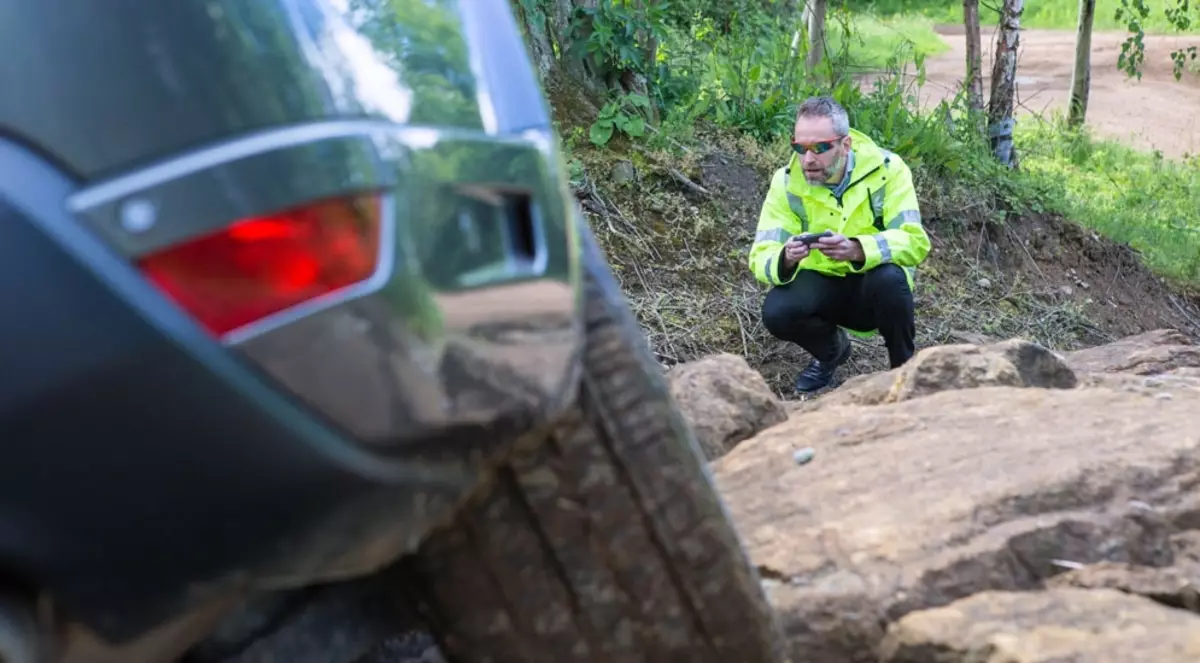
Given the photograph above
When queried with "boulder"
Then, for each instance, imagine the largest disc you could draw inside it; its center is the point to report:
(1151, 353)
(724, 400)
(1170, 586)
(1172, 380)
(916, 503)
(1011, 363)
(1054, 626)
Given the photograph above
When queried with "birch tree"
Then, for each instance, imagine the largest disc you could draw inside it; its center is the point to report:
(1004, 82)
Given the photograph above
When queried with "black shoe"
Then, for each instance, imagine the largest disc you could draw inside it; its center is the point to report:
(819, 373)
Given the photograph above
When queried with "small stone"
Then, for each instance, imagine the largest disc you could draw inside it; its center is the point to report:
(804, 456)
(623, 172)
(984, 283)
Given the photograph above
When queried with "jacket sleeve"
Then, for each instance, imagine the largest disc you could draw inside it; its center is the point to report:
(771, 233)
(903, 240)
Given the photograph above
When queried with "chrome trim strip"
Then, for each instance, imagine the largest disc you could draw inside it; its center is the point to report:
(120, 187)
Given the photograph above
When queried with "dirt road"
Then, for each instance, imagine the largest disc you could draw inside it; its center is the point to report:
(1156, 113)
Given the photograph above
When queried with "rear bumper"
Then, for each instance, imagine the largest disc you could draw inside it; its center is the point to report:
(150, 468)
(458, 327)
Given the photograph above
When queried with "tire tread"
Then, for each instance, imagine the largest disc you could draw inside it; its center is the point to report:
(606, 541)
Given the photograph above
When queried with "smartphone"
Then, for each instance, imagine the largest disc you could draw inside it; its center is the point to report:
(811, 238)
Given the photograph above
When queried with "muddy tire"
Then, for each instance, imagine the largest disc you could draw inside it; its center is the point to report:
(606, 541)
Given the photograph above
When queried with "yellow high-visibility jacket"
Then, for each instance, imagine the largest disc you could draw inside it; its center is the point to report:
(879, 209)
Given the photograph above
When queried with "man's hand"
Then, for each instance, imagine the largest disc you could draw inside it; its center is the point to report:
(793, 252)
(839, 247)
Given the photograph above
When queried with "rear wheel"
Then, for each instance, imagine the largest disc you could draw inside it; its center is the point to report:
(606, 542)
(602, 541)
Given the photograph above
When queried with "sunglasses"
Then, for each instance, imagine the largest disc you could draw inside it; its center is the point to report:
(820, 147)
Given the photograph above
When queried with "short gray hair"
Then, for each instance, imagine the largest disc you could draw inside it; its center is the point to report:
(826, 107)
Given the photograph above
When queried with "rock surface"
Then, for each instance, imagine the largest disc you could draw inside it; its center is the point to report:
(1170, 586)
(1011, 363)
(1056, 626)
(1151, 353)
(931, 484)
(724, 400)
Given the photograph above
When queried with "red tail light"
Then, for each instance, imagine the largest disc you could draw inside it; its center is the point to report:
(260, 266)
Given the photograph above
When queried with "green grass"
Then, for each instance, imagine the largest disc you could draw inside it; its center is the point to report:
(875, 39)
(1046, 14)
(1127, 195)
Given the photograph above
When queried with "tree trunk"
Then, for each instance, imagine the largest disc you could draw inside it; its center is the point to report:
(556, 45)
(1004, 82)
(974, 80)
(1081, 79)
(816, 33)
(537, 31)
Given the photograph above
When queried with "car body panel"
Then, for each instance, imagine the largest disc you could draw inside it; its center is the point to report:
(146, 467)
(106, 86)
(151, 470)
(422, 345)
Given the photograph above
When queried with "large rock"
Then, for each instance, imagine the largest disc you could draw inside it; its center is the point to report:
(917, 503)
(1171, 586)
(724, 400)
(1011, 363)
(1056, 626)
(1151, 353)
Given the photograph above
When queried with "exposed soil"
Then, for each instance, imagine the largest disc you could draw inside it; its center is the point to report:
(1065, 262)
(740, 187)
(1157, 112)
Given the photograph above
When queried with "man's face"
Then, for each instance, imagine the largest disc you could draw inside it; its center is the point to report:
(817, 134)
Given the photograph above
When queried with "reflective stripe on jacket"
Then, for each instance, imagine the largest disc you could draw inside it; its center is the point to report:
(879, 208)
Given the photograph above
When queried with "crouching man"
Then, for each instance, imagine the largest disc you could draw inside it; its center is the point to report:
(859, 275)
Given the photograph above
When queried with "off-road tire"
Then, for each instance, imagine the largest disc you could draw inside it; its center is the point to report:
(606, 541)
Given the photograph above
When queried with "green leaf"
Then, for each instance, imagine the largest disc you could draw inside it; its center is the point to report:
(601, 133)
(629, 55)
(635, 126)
(639, 100)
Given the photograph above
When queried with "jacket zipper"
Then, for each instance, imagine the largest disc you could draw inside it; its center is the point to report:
(855, 182)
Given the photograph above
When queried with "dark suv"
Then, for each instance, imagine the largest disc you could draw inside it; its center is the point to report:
(303, 338)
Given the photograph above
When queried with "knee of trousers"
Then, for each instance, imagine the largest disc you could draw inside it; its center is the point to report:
(889, 286)
(783, 318)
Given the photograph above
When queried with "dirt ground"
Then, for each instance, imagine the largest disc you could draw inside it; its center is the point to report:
(1157, 112)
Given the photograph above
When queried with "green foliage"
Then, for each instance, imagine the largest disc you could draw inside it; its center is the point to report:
(873, 39)
(744, 69)
(1135, 14)
(618, 116)
(752, 78)
(615, 32)
(1130, 196)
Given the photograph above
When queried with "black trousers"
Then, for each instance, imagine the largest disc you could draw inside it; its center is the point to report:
(809, 310)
